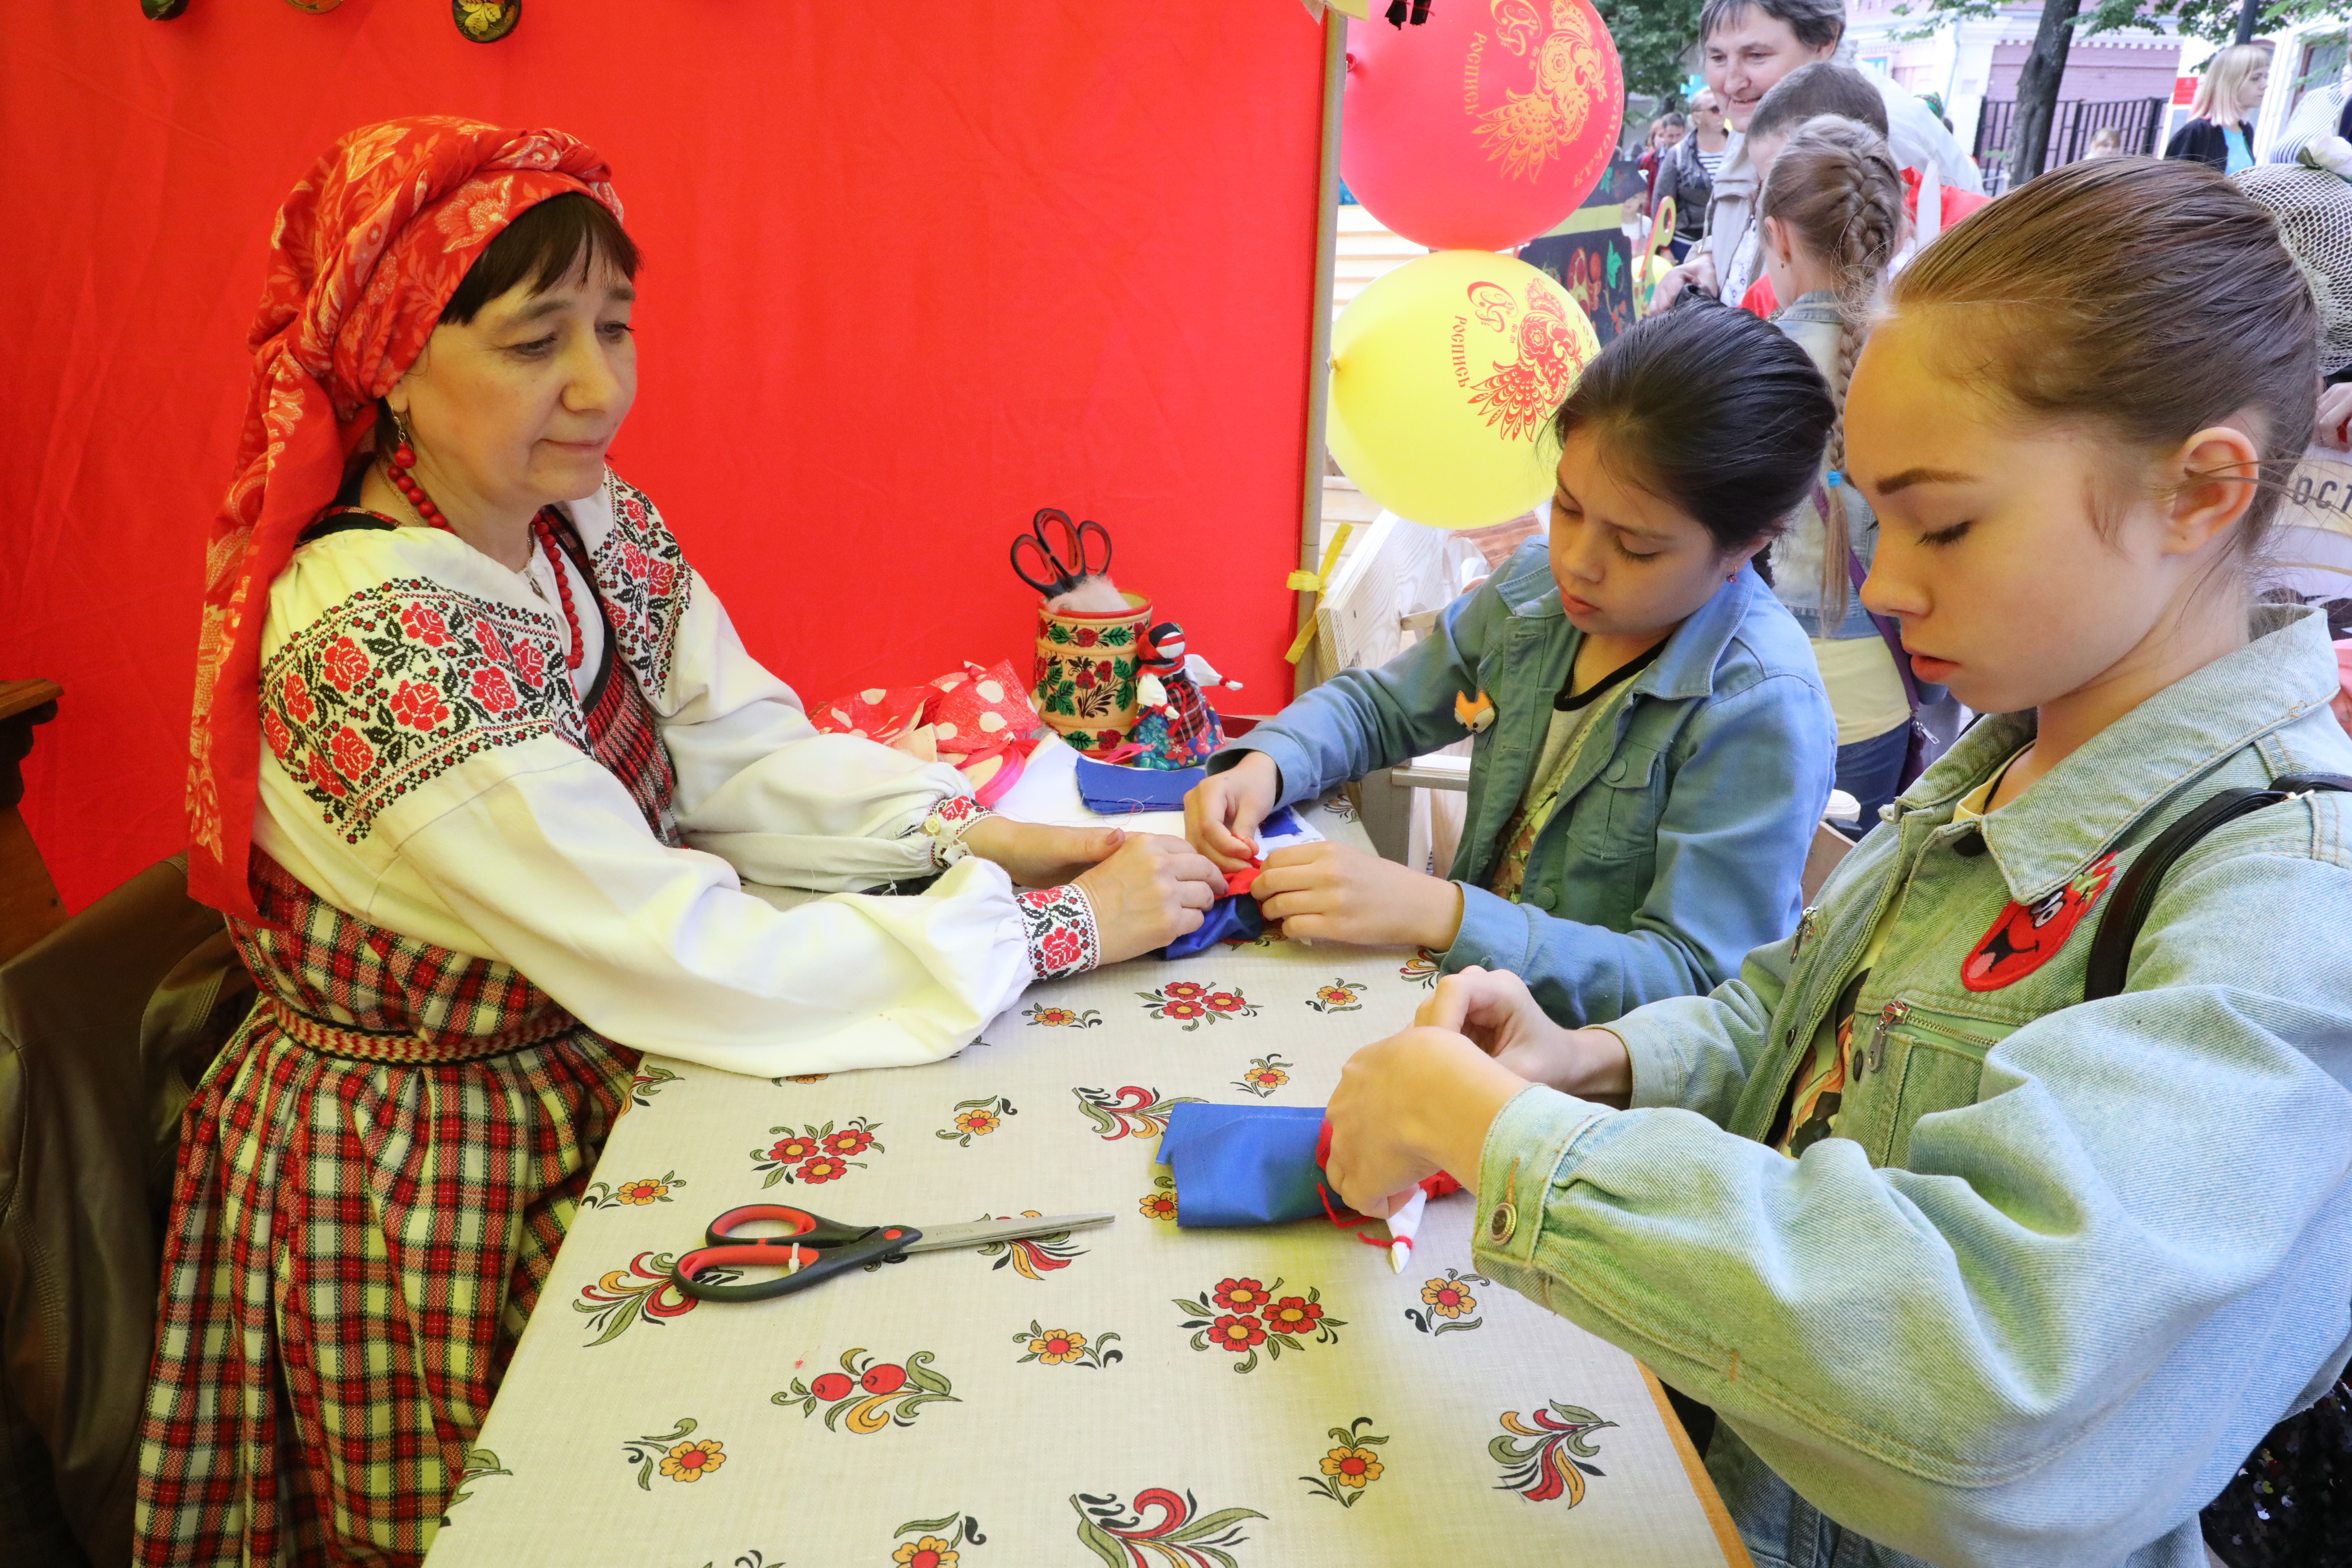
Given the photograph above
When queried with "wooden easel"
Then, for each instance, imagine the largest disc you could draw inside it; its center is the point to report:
(30, 906)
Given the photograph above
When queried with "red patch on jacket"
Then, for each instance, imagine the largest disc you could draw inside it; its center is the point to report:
(2027, 936)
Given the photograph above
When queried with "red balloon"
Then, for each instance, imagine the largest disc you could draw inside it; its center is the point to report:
(1485, 126)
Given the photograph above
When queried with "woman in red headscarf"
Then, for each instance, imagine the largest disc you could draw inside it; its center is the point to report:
(479, 767)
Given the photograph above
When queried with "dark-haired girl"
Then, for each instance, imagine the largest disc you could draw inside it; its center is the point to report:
(1652, 744)
(1989, 1255)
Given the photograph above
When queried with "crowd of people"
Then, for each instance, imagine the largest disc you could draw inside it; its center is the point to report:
(1988, 1206)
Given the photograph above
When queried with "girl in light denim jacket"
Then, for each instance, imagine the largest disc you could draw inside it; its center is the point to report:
(1652, 744)
(1973, 1270)
(1831, 214)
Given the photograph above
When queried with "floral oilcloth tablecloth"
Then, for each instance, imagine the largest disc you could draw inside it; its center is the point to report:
(1135, 1394)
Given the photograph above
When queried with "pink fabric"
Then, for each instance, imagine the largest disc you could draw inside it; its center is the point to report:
(975, 716)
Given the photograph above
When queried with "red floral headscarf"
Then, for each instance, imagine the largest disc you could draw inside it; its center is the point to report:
(368, 249)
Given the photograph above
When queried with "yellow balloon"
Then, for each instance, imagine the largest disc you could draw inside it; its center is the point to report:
(1443, 374)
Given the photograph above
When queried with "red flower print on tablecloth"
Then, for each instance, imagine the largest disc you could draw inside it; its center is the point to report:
(1183, 1537)
(1242, 1315)
(643, 1292)
(1350, 1465)
(1340, 996)
(867, 1394)
(812, 1155)
(675, 1453)
(294, 696)
(647, 1082)
(1161, 1204)
(644, 1190)
(935, 1542)
(1030, 1256)
(1190, 1004)
(1554, 1464)
(493, 692)
(1134, 1111)
(1061, 1347)
(345, 666)
(474, 1464)
(1448, 1301)
(977, 1118)
(1265, 1074)
(424, 623)
(1061, 1017)
(354, 756)
(1421, 968)
(418, 705)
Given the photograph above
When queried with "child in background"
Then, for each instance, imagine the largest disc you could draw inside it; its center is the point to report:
(1652, 745)
(1975, 1270)
(1831, 214)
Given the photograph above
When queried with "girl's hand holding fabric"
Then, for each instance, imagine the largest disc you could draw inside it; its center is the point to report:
(1502, 1017)
(2332, 427)
(1409, 1107)
(1223, 811)
(1037, 856)
(1149, 891)
(1335, 892)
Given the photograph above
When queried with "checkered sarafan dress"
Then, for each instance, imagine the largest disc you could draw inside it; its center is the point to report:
(373, 1180)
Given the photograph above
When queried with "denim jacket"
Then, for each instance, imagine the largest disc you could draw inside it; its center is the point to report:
(1679, 839)
(1812, 323)
(2063, 1263)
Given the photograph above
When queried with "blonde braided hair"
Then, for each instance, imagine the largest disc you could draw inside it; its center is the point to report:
(1837, 189)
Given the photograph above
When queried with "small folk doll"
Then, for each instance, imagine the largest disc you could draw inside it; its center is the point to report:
(1174, 724)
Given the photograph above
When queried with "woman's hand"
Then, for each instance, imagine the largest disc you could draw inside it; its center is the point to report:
(1335, 892)
(1147, 893)
(1500, 1015)
(1699, 271)
(2333, 428)
(1223, 811)
(1408, 1107)
(1037, 856)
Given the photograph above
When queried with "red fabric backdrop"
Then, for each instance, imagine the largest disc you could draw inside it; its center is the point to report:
(912, 272)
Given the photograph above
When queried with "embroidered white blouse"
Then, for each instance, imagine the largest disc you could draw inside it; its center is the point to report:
(470, 814)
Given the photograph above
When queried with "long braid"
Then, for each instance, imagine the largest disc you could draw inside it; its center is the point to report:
(1836, 188)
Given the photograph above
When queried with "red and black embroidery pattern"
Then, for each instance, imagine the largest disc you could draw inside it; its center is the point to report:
(2027, 936)
(1060, 925)
(643, 578)
(400, 683)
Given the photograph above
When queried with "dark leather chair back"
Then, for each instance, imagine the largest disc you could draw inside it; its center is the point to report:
(105, 1025)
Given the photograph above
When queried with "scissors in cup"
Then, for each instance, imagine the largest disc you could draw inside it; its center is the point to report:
(813, 1248)
(1059, 550)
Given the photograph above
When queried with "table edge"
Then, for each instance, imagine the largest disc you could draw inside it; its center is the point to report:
(1727, 1534)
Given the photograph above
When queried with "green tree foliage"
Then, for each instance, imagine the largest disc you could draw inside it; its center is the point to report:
(1654, 38)
(2216, 20)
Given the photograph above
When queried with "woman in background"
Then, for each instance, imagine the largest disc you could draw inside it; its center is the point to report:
(2219, 130)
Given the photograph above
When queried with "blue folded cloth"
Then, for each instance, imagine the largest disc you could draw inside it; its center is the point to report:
(1244, 1164)
(1234, 915)
(1115, 791)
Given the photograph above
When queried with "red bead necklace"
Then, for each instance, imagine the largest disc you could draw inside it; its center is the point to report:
(405, 458)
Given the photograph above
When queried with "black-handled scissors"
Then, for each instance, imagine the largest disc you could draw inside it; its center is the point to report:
(1060, 549)
(813, 1248)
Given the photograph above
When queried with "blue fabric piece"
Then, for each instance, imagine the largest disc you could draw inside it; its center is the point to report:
(1236, 915)
(1280, 823)
(1244, 1164)
(1115, 791)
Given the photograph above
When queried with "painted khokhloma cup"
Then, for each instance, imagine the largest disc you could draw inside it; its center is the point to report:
(1087, 671)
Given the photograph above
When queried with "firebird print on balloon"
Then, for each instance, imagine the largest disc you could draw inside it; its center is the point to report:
(1242, 1315)
(2027, 936)
(1521, 395)
(1183, 1537)
(866, 1395)
(1554, 1464)
(1134, 1111)
(1527, 129)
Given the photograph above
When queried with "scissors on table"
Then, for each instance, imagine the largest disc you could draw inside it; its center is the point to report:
(814, 1248)
(1060, 551)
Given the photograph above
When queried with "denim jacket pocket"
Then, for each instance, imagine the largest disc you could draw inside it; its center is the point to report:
(1622, 807)
(1933, 1061)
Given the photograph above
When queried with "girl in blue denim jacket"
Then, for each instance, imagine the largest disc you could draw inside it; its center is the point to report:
(1652, 745)
(1973, 1269)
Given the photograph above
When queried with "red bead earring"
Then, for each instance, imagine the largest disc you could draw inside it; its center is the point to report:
(403, 457)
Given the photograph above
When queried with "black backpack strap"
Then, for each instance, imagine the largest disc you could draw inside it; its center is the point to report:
(2127, 912)
(342, 519)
